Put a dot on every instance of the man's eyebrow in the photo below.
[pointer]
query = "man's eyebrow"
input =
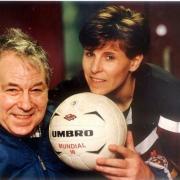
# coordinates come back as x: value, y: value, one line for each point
x: 14, y: 84
x: 39, y: 83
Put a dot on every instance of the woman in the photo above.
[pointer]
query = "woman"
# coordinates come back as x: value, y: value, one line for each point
x: 115, y: 41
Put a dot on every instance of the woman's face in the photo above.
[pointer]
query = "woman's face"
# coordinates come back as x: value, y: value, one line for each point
x: 107, y: 69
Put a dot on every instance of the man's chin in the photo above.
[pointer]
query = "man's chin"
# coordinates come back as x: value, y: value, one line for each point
x: 22, y: 132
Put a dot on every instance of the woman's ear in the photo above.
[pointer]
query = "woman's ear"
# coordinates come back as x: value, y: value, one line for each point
x: 135, y: 62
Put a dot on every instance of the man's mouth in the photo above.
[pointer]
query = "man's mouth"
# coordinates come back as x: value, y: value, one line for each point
x: 22, y: 116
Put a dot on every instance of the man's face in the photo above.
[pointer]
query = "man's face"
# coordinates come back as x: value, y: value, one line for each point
x: 23, y: 94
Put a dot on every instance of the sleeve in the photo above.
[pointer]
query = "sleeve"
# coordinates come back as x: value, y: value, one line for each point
x: 168, y: 128
x: 160, y: 172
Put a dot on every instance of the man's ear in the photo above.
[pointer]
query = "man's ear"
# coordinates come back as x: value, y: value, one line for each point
x: 135, y: 62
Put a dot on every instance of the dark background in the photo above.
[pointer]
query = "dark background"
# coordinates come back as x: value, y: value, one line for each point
x: 55, y: 25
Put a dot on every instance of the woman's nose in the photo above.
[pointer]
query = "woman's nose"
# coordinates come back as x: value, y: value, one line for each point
x: 96, y: 65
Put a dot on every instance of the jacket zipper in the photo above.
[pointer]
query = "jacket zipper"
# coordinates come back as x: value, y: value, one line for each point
x: 42, y: 163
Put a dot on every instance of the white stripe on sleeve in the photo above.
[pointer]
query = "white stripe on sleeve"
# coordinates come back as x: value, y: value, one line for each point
x: 169, y: 125
x: 146, y: 144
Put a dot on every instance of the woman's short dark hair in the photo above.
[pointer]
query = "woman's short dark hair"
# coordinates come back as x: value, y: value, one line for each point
x: 112, y: 23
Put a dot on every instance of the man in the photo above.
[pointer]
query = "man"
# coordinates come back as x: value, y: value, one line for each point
x: 24, y: 80
x: 25, y: 151
x: 115, y: 41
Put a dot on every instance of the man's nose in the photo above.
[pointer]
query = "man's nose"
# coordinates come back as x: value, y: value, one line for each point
x: 25, y: 102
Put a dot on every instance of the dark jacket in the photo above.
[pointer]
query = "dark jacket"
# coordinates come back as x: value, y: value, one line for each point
x: 28, y: 158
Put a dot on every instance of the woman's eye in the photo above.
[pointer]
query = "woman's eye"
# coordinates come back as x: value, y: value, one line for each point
x: 89, y: 54
x: 110, y: 57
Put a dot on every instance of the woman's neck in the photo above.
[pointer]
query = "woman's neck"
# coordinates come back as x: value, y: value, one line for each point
x: 123, y: 96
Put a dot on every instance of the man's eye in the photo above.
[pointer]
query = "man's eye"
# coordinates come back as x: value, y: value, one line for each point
x: 12, y: 91
x: 36, y: 90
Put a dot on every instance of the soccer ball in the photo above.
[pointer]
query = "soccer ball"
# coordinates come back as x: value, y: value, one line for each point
x: 82, y: 127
